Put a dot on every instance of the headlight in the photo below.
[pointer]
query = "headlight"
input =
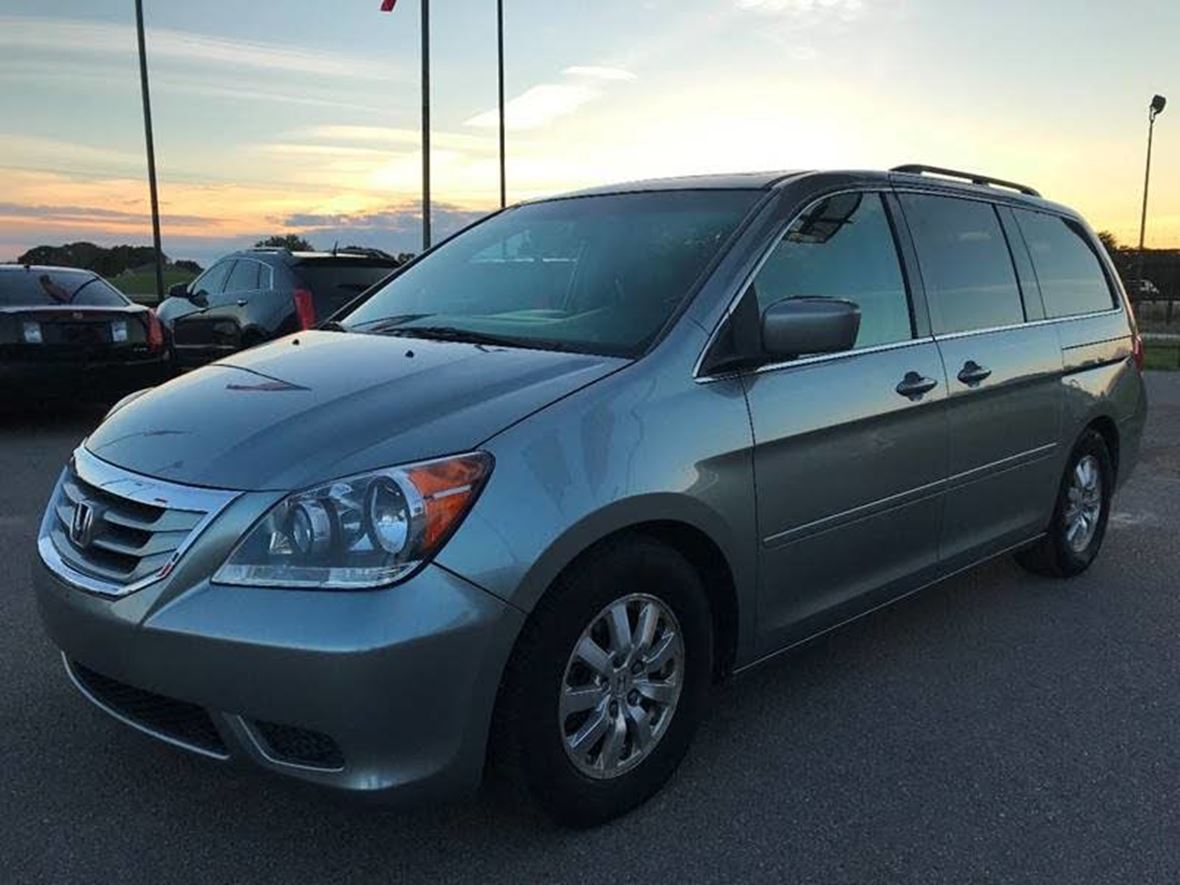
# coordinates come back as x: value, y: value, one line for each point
x: 359, y: 532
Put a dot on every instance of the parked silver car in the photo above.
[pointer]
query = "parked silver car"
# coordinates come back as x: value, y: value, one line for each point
x: 528, y: 500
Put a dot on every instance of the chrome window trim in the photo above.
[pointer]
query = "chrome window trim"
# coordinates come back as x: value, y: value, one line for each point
x: 138, y: 726
x: 134, y: 487
x: 950, y: 336
x: 843, y: 354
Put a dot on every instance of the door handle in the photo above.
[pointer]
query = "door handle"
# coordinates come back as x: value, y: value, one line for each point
x: 914, y: 386
x: 972, y: 373
x: 242, y: 302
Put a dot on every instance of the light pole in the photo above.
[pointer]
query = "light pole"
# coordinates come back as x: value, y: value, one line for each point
x: 1158, y: 103
x: 151, y: 151
x: 500, y: 82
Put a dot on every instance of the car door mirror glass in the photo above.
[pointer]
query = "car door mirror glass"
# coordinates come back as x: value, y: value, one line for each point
x: 797, y: 326
x: 178, y: 290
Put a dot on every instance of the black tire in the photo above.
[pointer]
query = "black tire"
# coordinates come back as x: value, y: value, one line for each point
x: 527, y: 744
x: 1053, y: 556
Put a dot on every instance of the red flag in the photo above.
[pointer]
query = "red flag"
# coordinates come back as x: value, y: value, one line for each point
x: 387, y: 5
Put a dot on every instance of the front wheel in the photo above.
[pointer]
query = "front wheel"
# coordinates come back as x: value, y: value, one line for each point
x: 607, y: 683
x: 1078, y: 526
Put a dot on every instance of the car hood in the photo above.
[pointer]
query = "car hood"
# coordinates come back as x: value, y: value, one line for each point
x: 320, y: 405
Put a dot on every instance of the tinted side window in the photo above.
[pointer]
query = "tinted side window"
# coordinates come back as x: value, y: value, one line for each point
x: 99, y: 293
x: 842, y: 247
x: 212, y: 281
x: 244, y: 276
x: 966, y: 267
x: 1069, y: 273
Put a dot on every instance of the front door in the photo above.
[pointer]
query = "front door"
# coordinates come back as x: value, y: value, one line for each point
x: 850, y: 449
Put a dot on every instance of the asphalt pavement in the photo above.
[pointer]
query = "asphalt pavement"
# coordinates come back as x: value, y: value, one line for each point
x: 995, y: 728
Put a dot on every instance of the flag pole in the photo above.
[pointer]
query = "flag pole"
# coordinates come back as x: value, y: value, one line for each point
x: 151, y: 152
x: 500, y: 61
x: 425, y: 124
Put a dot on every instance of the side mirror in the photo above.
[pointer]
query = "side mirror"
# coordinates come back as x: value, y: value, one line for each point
x: 796, y: 326
x: 178, y: 290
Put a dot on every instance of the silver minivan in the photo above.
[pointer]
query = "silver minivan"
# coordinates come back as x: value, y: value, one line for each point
x: 524, y: 503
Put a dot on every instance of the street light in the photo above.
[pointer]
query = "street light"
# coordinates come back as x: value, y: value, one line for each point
x: 1158, y: 103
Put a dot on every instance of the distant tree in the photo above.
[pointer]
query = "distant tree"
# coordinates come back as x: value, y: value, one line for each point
x: 186, y: 265
x: 293, y: 242
x: 1109, y: 240
x: 110, y: 262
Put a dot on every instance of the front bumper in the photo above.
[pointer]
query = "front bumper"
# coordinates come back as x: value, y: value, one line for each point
x: 402, y: 682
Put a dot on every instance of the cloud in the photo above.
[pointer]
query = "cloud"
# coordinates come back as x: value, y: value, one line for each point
x: 598, y: 73
x: 49, y: 35
x: 537, y: 106
x: 394, y: 136
x: 394, y: 219
x: 89, y: 214
x: 844, y: 9
x: 36, y: 152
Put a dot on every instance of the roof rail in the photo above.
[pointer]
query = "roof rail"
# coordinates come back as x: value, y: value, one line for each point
x: 363, y: 251
x: 268, y: 249
x: 973, y: 177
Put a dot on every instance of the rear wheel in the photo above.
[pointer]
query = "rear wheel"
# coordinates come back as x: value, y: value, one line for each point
x: 1078, y: 526
x: 605, y: 688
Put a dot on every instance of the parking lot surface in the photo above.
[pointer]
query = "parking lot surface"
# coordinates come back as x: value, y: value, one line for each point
x: 997, y: 727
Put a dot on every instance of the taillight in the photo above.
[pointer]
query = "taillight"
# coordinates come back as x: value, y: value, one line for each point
x: 155, y: 332
x: 304, y: 309
x: 1137, y: 352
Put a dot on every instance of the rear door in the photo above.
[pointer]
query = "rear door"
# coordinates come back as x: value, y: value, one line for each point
x: 1003, y: 370
x: 850, y: 448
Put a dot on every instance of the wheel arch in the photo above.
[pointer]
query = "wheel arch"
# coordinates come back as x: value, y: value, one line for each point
x: 1106, y: 427
x: 685, y: 525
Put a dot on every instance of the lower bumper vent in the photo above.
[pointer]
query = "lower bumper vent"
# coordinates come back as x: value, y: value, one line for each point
x: 300, y: 746
x: 178, y: 721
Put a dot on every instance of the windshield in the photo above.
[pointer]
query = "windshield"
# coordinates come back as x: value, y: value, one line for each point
x: 595, y: 274
x: 37, y: 287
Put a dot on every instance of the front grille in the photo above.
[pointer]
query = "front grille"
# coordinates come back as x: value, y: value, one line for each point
x: 182, y: 722
x: 300, y: 746
x: 119, y: 530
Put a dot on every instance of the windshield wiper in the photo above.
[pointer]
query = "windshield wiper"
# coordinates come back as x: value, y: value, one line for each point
x: 333, y: 326
x: 452, y: 333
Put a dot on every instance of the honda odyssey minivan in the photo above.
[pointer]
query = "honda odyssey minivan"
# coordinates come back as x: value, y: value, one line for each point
x: 526, y: 501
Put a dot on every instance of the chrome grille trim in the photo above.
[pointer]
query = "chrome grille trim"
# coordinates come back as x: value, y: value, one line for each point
x: 147, y: 524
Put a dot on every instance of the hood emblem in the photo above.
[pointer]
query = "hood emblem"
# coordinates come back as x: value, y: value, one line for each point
x: 82, y: 525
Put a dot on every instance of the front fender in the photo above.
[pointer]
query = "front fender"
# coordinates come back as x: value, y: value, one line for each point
x: 629, y: 450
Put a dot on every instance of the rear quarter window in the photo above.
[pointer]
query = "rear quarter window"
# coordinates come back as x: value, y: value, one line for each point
x: 1069, y: 273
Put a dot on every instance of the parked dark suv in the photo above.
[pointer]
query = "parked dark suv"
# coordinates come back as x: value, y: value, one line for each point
x: 258, y: 294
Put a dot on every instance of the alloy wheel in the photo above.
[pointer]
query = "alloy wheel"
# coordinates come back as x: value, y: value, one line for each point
x: 621, y: 685
x: 1083, y: 507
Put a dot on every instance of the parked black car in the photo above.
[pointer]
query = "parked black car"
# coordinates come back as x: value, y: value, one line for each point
x: 69, y: 331
x: 258, y: 294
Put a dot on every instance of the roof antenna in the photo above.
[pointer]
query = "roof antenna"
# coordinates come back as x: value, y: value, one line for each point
x: 334, y: 245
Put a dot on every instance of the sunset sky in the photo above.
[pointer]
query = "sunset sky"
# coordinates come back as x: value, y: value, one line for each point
x: 303, y: 116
